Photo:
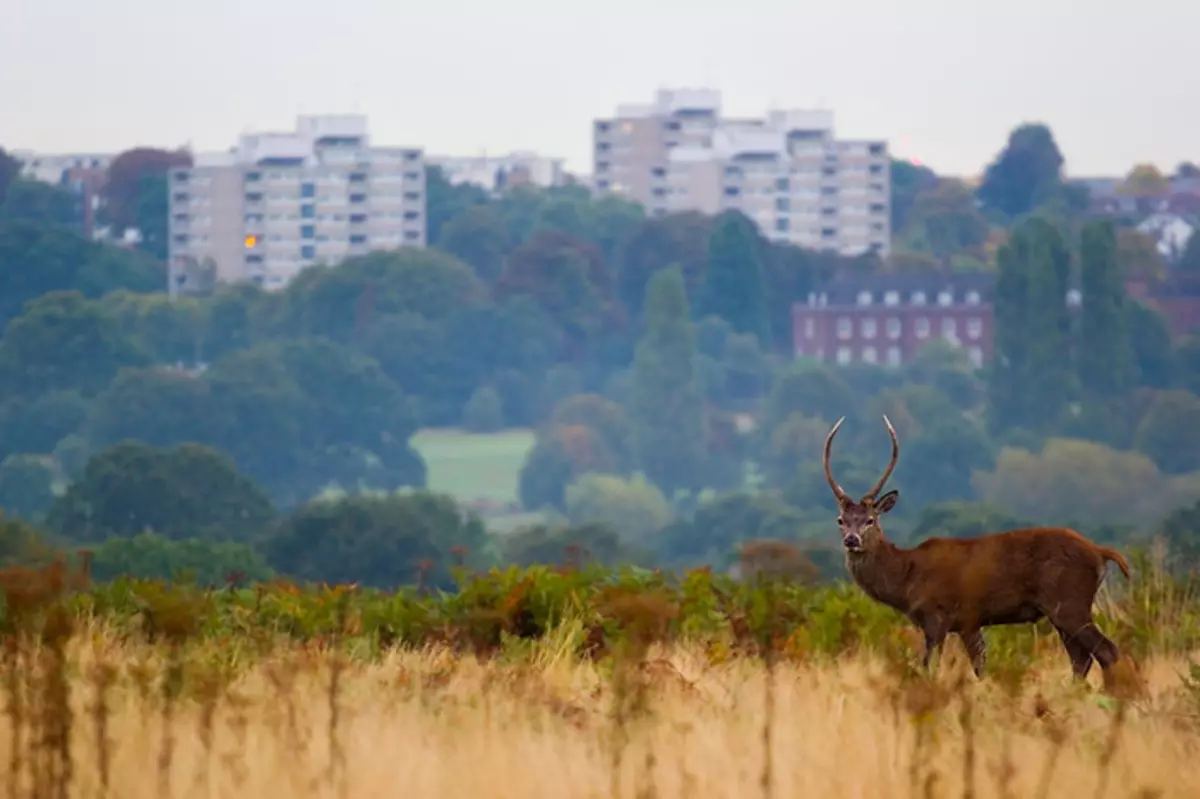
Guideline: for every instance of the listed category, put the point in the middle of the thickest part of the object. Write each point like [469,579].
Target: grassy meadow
[472,466]
[574,682]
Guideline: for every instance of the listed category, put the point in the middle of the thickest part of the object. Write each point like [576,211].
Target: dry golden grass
[430,725]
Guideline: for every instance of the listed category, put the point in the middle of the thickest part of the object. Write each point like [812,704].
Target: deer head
[859,520]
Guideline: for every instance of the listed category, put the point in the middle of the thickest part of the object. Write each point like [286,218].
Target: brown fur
[960,586]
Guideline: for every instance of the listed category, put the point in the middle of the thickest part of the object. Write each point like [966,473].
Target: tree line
[650,355]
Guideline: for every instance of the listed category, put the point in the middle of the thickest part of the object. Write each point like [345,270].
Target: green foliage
[149,556]
[634,508]
[26,485]
[734,287]
[187,491]
[1031,378]
[667,409]
[1169,432]
[383,541]
[1027,173]
[484,412]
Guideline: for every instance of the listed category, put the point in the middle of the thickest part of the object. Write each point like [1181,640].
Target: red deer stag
[950,585]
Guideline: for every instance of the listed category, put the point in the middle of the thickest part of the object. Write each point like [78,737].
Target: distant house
[1170,233]
[886,319]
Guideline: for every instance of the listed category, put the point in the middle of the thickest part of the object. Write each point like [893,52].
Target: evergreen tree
[1032,378]
[734,284]
[1105,357]
[668,411]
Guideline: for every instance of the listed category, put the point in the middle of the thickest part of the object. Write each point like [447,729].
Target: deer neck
[881,571]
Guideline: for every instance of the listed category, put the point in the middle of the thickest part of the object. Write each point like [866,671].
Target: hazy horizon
[942,82]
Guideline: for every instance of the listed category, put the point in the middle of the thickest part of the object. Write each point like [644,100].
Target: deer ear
[887,501]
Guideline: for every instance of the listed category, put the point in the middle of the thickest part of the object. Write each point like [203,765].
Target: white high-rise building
[279,202]
[786,171]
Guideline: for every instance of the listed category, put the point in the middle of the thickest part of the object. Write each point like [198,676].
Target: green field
[472,466]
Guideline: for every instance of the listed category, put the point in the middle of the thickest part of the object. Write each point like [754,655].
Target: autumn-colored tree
[1144,180]
[131,180]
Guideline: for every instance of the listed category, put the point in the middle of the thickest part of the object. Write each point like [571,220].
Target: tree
[734,286]
[947,221]
[36,260]
[386,541]
[42,204]
[10,168]
[484,412]
[1026,173]
[660,242]
[1144,180]
[1106,363]
[1073,481]
[26,486]
[1031,374]
[632,507]
[149,556]
[568,279]
[1150,338]
[136,185]
[445,200]
[479,237]
[668,412]
[187,491]
[1169,432]
[907,180]
[1139,256]
[64,342]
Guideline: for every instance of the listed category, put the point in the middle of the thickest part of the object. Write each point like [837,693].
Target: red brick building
[886,319]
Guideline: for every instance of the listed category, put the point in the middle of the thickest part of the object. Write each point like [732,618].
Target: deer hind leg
[1081,658]
[1080,632]
[976,649]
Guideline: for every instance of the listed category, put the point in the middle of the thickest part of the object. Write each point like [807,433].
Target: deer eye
[840,521]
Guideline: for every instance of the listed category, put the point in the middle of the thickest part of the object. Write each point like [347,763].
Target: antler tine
[838,491]
[892,465]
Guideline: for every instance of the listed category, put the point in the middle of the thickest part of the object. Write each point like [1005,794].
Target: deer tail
[1108,553]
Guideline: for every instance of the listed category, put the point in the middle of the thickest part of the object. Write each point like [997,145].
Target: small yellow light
[251,241]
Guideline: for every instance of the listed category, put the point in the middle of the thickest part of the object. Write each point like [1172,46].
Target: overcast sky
[942,80]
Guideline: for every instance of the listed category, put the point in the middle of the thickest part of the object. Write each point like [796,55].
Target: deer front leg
[935,635]
[977,649]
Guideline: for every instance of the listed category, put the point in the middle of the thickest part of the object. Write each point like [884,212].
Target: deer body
[960,586]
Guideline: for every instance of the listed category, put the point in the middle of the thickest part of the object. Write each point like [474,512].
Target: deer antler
[895,457]
[838,491]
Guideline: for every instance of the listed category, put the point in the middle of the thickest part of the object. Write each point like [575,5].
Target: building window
[893,327]
[844,327]
[781,184]
[945,298]
[974,327]
[308,190]
[972,298]
[949,328]
[781,224]
[864,298]
[891,298]
[809,328]
[918,298]
[782,205]
[893,356]
[922,327]
[843,356]
[306,212]
[868,355]
[976,356]
[868,328]
[308,252]
[306,231]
